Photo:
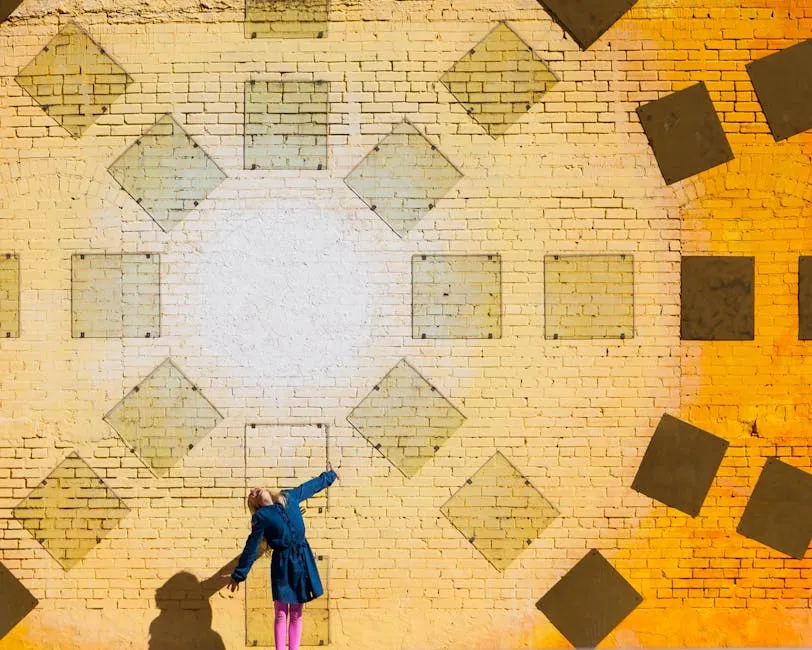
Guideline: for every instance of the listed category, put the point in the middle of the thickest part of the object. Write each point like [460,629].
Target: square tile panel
[586,20]
[588,296]
[590,601]
[402,178]
[16,602]
[70,511]
[74,79]
[456,296]
[9,296]
[287,18]
[499,80]
[163,417]
[717,297]
[679,465]
[779,512]
[405,418]
[499,511]
[805,297]
[166,172]
[685,133]
[783,85]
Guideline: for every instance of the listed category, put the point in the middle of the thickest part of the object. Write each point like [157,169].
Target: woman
[294,577]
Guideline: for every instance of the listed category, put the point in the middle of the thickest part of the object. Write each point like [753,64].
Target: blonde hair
[255,501]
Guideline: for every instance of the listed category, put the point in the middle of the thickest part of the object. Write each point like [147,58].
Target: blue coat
[294,576]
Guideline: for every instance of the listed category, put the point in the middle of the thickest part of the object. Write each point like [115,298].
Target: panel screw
[321,35]
[98,539]
[253,426]
[623,335]
[528,541]
[318,166]
[253,165]
[471,539]
[422,335]
[431,205]
[376,148]
[197,203]
[254,35]
[377,388]
[472,51]
[469,481]
[136,389]
[555,336]
[527,106]
[378,446]
[104,109]
[41,540]
[191,445]
[436,448]
[148,334]
[81,335]
[138,200]
[374,207]
[490,335]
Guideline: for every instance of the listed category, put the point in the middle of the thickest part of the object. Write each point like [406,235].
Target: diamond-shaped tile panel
[16,602]
[7,8]
[456,296]
[679,465]
[163,417]
[589,601]
[499,80]
[286,125]
[685,133]
[783,85]
[588,296]
[74,79]
[259,607]
[402,178]
[499,511]
[70,511]
[286,18]
[166,172]
[805,297]
[115,295]
[282,456]
[405,418]
[586,20]
[9,296]
[779,512]
[717,296]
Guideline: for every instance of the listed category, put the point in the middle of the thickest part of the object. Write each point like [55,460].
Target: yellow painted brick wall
[285,299]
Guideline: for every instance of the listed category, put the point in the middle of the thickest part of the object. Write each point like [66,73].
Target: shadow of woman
[186,615]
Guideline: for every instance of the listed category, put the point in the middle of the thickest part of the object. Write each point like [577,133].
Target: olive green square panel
[9,296]
[259,607]
[282,456]
[115,295]
[16,602]
[590,601]
[499,80]
[70,511]
[679,465]
[402,178]
[74,79]
[166,172]
[499,511]
[163,417]
[456,296]
[588,297]
[286,18]
[286,125]
[405,418]
[779,512]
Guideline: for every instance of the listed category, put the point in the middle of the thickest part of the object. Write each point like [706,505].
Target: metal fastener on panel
[471,539]
[136,389]
[623,335]
[436,447]
[378,446]
[555,336]
[469,481]
[191,445]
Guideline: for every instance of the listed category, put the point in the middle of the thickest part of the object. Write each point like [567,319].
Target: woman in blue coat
[277,520]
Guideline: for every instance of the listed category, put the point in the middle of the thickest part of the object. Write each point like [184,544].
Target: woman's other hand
[330,466]
[233,585]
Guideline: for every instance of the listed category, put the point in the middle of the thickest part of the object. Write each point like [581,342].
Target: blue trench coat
[294,576]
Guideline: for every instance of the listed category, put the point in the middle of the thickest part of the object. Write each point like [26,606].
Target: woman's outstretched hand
[330,466]
[233,585]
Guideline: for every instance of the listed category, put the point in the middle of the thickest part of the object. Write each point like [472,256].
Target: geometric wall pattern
[286,18]
[16,602]
[717,297]
[586,20]
[282,456]
[402,178]
[9,295]
[679,465]
[286,125]
[74,79]
[456,296]
[783,84]
[499,511]
[589,601]
[166,172]
[163,417]
[499,80]
[805,297]
[588,296]
[685,133]
[405,418]
[779,512]
[70,511]
[115,295]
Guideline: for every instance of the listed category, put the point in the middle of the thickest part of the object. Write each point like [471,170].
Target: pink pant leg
[296,623]
[280,628]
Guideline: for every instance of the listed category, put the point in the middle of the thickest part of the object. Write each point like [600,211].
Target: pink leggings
[281,624]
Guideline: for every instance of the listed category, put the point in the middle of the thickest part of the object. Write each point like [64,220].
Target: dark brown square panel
[685,133]
[779,512]
[16,602]
[805,297]
[7,7]
[717,298]
[783,84]
[589,601]
[679,465]
[586,20]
